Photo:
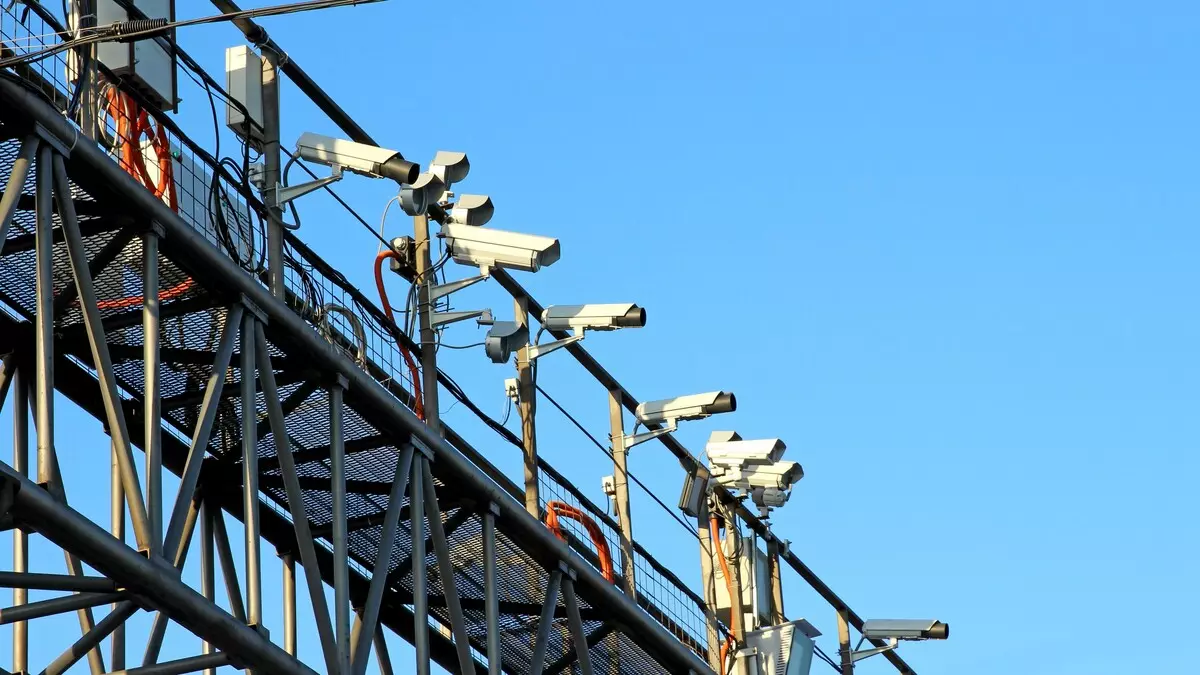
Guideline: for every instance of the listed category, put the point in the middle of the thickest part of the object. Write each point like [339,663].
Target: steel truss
[497,592]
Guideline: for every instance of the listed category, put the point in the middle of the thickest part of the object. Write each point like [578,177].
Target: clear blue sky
[945,252]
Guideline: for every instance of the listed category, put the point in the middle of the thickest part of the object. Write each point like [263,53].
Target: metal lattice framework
[293,419]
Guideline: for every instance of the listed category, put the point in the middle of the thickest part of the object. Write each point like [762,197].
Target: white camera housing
[737,453]
[360,158]
[451,167]
[486,248]
[780,475]
[905,629]
[693,407]
[593,317]
[473,210]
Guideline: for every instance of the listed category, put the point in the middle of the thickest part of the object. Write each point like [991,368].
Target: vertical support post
[776,580]
[416,512]
[207,564]
[621,483]
[153,405]
[289,603]
[341,570]
[491,594]
[527,408]
[250,475]
[708,581]
[20,662]
[844,644]
[117,516]
[735,572]
[271,173]
[44,317]
[429,384]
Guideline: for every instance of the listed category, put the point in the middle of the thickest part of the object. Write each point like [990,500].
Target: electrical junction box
[786,649]
[243,81]
[144,64]
[756,588]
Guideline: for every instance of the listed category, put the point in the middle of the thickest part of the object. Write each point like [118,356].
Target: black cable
[458,393]
[339,199]
[825,657]
[605,450]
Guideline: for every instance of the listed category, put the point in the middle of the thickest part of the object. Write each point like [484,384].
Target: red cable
[556,509]
[734,620]
[132,123]
[418,396]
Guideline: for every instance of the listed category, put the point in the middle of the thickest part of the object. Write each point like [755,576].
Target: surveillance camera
[905,629]
[416,198]
[593,317]
[451,167]
[694,407]
[780,475]
[504,338]
[473,210]
[769,498]
[367,160]
[484,247]
[740,453]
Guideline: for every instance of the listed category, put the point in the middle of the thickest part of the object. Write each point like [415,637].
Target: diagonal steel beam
[441,549]
[23,243]
[537,662]
[404,475]
[88,643]
[66,603]
[103,258]
[104,367]
[594,638]
[578,637]
[16,183]
[320,453]
[452,523]
[203,432]
[312,573]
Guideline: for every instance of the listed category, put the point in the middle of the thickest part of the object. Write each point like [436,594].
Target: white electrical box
[145,64]
[786,649]
[243,81]
[756,589]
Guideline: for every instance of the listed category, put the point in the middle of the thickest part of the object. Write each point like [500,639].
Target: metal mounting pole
[152,395]
[491,602]
[20,536]
[341,570]
[777,615]
[44,318]
[289,603]
[621,484]
[271,172]
[117,515]
[429,384]
[527,408]
[844,644]
[250,475]
[708,581]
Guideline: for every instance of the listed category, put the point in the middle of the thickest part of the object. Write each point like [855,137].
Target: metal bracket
[437,292]
[636,439]
[50,138]
[283,195]
[443,318]
[254,309]
[860,655]
[534,351]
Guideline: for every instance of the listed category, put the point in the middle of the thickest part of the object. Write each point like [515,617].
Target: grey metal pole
[538,660]
[271,174]
[92,639]
[117,516]
[527,408]
[16,183]
[708,580]
[289,603]
[55,582]
[206,662]
[441,549]
[44,317]
[429,385]
[616,418]
[20,536]
[158,628]
[408,468]
[250,475]
[208,579]
[491,593]
[416,515]
[152,412]
[776,580]
[844,644]
[578,636]
[228,571]
[341,570]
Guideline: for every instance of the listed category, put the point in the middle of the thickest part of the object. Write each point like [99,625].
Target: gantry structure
[287,412]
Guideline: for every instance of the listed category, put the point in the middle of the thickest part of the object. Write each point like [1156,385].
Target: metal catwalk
[267,418]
